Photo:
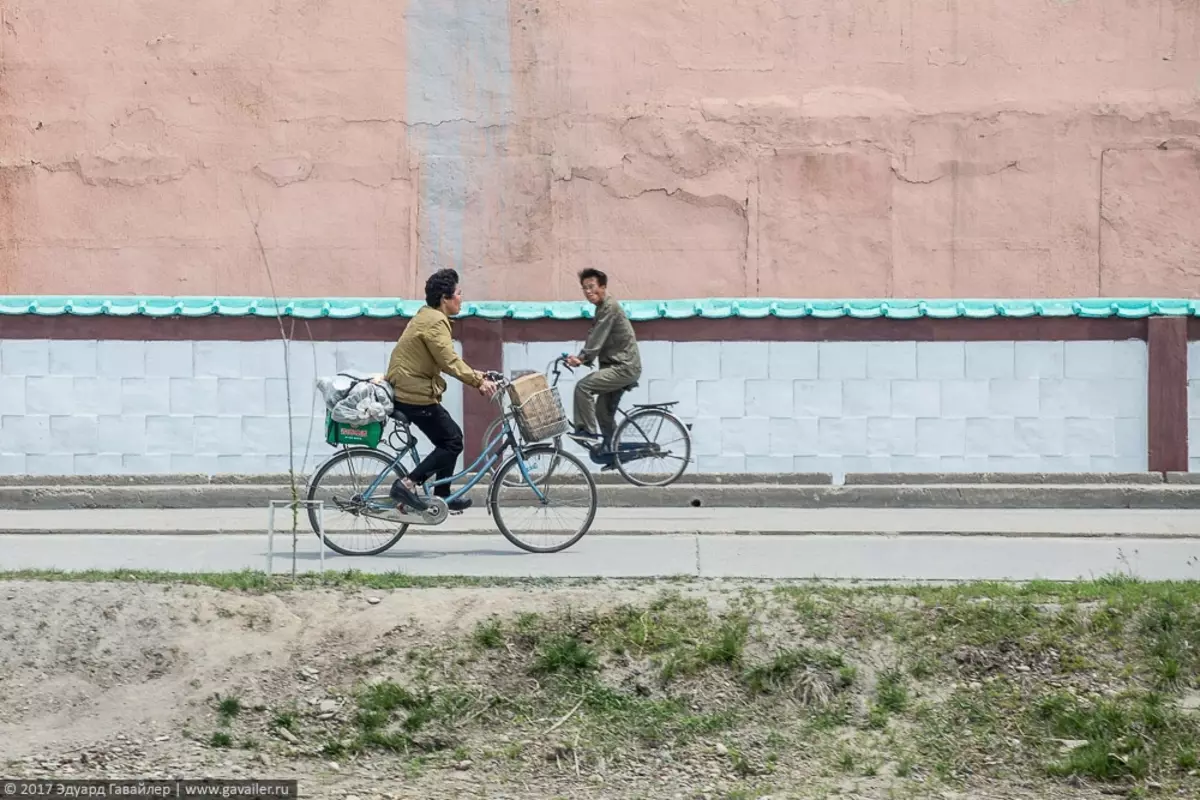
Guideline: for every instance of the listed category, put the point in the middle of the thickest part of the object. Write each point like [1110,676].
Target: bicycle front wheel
[353,526]
[544,499]
[652,448]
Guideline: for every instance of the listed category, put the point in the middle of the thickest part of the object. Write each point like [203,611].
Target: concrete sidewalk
[1011,523]
[912,557]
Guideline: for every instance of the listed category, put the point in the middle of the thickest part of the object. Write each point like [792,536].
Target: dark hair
[600,277]
[439,286]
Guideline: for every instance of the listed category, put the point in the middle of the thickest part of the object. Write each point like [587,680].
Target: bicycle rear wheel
[342,483]
[558,497]
[644,456]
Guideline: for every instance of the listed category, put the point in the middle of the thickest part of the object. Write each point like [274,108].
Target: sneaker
[461,504]
[402,494]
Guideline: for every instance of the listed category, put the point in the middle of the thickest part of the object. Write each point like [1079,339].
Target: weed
[229,707]
[221,739]
[809,667]
[285,719]
[1124,737]
[891,693]
[727,644]
[489,635]
[564,653]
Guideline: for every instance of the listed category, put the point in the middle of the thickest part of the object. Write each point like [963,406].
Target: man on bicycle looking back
[424,351]
[611,340]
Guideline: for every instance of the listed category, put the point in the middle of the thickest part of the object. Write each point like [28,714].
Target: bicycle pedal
[456,513]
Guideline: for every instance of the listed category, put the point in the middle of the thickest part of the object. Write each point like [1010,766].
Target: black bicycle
[638,438]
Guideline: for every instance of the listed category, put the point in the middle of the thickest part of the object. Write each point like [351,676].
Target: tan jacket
[424,351]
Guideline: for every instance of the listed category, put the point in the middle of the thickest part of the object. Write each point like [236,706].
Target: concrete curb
[1159,496]
[1009,478]
[691,479]
[601,478]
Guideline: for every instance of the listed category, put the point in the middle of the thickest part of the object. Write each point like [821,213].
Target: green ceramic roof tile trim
[711,308]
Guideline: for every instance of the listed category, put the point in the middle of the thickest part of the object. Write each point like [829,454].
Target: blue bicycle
[550,484]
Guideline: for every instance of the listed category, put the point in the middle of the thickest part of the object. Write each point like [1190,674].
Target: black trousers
[446,437]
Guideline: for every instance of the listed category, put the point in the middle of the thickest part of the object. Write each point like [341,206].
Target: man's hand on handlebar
[489,387]
[573,361]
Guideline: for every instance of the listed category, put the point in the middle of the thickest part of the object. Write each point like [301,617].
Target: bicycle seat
[399,417]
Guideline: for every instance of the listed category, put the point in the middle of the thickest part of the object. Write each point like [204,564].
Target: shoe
[402,494]
[586,437]
[461,504]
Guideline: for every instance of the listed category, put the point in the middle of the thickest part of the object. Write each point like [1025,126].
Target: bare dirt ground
[605,690]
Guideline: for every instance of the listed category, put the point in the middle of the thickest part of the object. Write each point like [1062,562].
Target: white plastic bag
[356,401]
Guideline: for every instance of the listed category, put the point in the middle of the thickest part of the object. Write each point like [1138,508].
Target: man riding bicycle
[612,341]
[424,351]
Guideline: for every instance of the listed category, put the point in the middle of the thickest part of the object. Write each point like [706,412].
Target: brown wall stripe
[808,329]
[482,348]
[695,329]
[1167,394]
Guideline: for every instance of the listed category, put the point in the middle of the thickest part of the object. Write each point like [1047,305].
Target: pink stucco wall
[710,147]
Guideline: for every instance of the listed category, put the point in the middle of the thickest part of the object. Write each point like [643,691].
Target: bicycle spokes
[552,502]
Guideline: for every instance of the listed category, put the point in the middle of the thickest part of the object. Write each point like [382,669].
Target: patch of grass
[1169,633]
[620,716]
[891,697]
[489,635]
[727,644]
[255,581]
[285,719]
[1125,737]
[891,692]
[922,667]
[221,739]
[229,707]
[847,676]
[811,667]
[565,653]
[723,646]
[815,613]
[390,717]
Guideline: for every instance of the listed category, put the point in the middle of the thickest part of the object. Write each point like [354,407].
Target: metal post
[291,506]
[271,539]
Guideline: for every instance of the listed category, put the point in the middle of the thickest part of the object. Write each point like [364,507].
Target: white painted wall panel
[901,406]
[112,407]
[220,407]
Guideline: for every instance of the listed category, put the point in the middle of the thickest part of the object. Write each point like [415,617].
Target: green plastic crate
[339,433]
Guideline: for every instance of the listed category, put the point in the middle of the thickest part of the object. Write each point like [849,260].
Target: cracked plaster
[721,147]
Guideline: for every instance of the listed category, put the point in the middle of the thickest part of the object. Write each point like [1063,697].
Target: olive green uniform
[611,341]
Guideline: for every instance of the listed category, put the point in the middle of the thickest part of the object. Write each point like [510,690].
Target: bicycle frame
[488,458]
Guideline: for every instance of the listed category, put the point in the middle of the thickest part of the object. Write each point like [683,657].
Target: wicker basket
[541,416]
